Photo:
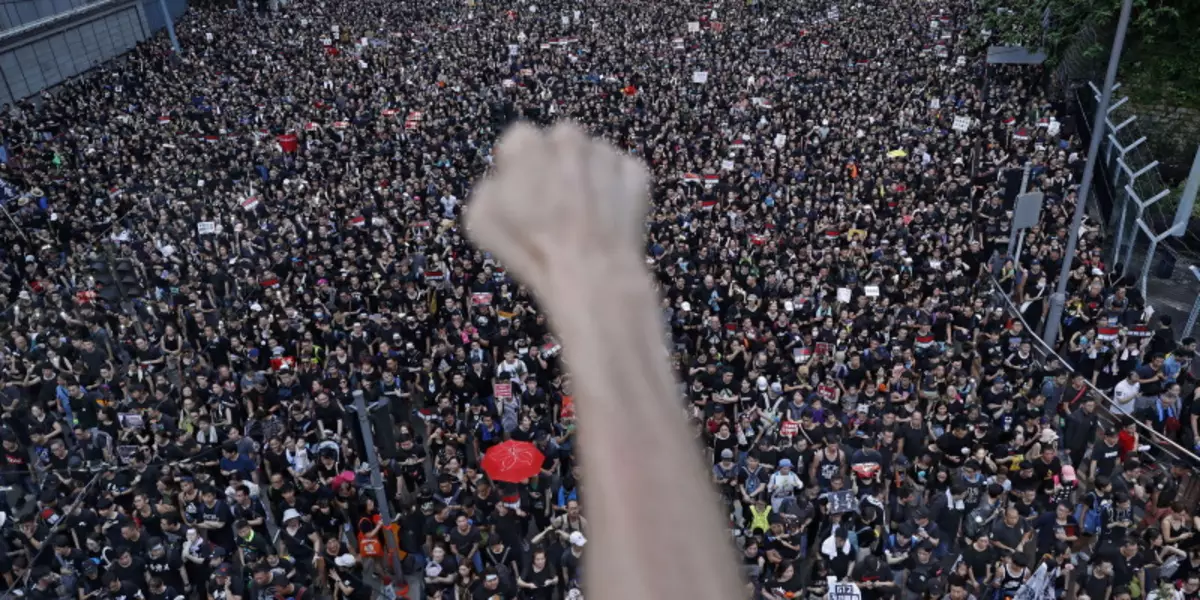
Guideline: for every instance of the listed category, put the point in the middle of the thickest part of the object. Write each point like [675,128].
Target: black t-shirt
[500,593]
[135,572]
[979,560]
[1046,473]
[465,543]
[166,567]
[1124,570]
[1106,457]
[1094,586]
[544,580]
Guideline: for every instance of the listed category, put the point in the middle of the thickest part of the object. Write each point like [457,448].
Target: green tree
[1158,62]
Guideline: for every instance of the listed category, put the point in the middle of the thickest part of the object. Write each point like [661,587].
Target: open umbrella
[512,461]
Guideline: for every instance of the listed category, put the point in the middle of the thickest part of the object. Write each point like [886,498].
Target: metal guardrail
[1105,402]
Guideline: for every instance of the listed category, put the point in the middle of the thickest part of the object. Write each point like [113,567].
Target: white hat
[761,382]
[1049,436]
[686,307]
[290,514]
[577,539]
[344,561]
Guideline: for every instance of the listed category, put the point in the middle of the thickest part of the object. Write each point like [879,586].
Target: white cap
[686,307]
[344,561]
[290,514]
[577,539]
[761,382]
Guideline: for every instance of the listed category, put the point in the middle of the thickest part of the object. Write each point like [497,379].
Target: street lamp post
[1059,298]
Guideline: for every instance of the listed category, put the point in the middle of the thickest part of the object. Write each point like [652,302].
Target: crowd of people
[833,185]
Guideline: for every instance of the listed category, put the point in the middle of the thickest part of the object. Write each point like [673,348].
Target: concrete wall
[41,53]
[22,12]
[1172,133]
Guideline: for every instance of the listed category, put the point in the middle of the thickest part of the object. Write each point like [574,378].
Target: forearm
[613,340]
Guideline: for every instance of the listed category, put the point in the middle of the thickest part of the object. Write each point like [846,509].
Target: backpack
[1091,523]
[979,518]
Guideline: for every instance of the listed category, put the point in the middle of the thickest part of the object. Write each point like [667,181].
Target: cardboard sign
[961,124]
[844,590]
[206,227]
[693,27]
[844,295]
[502,391]
[481,299]
[700,77]
[789,428]
[842,502]
[130,420]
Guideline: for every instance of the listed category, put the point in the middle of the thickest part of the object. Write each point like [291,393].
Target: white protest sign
[872,291]
[206,227]
[693,26]
[843,295]
[1054,127]
[780,140]
[961,124]
[700,77]
[577,15]
[843,590]
[566,20]
[513,49]
[208,36]
[935,103]
[727,165]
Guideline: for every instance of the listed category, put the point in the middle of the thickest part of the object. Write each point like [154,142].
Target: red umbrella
[513,461]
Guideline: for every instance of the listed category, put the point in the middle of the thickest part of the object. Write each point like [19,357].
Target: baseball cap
[576,538]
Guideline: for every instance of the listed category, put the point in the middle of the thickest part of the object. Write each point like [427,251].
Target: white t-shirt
[1125,396]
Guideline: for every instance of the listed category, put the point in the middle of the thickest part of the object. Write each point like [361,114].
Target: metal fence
[1043,354]
[1130,198]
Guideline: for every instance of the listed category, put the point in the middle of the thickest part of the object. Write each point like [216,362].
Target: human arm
[562,186]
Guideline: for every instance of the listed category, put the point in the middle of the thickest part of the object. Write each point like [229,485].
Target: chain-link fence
[1130,199]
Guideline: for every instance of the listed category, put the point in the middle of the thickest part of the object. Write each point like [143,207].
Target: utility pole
[170,25]
[381,499]
[1059,298]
